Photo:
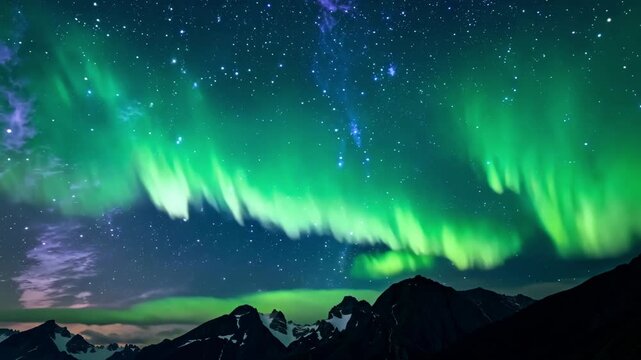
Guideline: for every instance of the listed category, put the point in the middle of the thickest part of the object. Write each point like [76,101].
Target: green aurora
[301,306]
[564,140]
[555,144]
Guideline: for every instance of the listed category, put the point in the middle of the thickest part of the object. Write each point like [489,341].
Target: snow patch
[61,342]
[308,330]
[238,319]
[193,341]
[228,338]
[98,354]
[340,323]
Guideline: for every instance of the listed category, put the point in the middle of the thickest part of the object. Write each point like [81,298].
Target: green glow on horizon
[299,305]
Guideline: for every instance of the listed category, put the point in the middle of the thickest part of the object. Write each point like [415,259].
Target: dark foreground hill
[599,319]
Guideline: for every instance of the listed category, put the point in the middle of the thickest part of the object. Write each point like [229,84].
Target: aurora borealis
[229,151]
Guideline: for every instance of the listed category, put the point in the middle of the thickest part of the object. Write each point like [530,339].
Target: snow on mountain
[86,352]
[340,323]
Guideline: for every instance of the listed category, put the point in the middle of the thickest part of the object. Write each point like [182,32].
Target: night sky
[162,162]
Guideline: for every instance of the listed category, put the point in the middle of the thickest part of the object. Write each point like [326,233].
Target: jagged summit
[51,327]
[244,310]
[277,314]
[278,322]
[347,306]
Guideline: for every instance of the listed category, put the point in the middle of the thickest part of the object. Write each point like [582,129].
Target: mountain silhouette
[599,319]
[416,318]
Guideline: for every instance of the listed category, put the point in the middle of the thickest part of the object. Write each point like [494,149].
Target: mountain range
[416,318]
[51,341]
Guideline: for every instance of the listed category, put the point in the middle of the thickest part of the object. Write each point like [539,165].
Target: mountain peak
[478,289]
[78,344]
[348,306]
[277,314]
[244,310]
[50,327]
[278,321]
[349,300]
[244,333]
[411,290]
[421,280]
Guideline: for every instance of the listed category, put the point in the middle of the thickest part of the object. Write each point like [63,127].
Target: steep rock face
[424,317]
[497,306]
[78,344]
[239,335]
[599,319]
[278,322]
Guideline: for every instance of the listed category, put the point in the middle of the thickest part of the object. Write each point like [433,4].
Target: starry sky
[162,162]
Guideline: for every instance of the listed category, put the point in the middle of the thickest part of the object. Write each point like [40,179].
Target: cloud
[5,54]
[52,278]
[17,128]
[140,335]
[128,334]
[144,296]
[14,109]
